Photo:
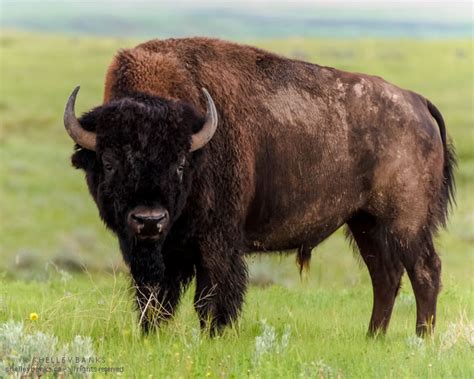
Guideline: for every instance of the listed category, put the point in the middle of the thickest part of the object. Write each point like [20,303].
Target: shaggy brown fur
[299,151]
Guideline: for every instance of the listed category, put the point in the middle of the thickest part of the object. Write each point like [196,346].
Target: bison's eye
[180,171]
[108,165]
[180,168]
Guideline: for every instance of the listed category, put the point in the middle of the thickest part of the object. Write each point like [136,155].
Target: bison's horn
[202,137]
[82,137]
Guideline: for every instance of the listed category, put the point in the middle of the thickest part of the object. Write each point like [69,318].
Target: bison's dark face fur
[142,160]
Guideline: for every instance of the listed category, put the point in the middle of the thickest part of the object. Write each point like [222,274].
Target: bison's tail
[446,199]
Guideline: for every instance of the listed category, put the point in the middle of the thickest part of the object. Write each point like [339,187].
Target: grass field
[50,234]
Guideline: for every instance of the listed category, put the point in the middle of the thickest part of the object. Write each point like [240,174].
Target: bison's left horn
[202,137]
[82,137]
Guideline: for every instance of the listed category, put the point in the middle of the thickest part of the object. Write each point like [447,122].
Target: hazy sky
[466,4]
[293,2]
[331,2]
[449,5]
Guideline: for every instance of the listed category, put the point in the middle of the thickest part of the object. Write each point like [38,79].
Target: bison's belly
[289,220]
[286,235]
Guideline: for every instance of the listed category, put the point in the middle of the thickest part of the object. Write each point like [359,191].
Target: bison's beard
[144,259]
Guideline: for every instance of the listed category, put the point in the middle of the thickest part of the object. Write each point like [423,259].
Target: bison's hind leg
[386,250]
[423,267]
[384,265]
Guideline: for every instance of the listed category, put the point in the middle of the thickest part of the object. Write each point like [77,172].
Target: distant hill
[127,18]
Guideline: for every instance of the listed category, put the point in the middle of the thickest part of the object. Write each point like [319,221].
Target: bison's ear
[84,159]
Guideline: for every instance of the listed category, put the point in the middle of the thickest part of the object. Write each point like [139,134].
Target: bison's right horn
[82,137]
[202,137]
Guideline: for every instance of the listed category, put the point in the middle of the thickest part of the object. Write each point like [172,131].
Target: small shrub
[34,354]
[268,342]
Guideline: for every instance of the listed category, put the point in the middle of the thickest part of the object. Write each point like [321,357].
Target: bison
[273,154]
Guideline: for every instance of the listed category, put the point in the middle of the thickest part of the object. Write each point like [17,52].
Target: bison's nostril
[136,218]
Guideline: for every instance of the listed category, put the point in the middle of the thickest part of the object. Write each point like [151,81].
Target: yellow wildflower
[34,316]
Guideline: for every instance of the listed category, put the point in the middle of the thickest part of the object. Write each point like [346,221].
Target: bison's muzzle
[148,223]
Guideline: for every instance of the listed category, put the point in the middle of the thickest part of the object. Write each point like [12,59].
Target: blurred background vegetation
[242,19]
[48,47]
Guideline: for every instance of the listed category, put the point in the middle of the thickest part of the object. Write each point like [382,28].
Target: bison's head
[137,155]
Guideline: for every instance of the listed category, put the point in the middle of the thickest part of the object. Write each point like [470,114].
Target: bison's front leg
[156,303]
[221,281]
[159,281]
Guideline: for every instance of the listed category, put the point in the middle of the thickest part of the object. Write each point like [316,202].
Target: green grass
[326,332]
[48,216]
